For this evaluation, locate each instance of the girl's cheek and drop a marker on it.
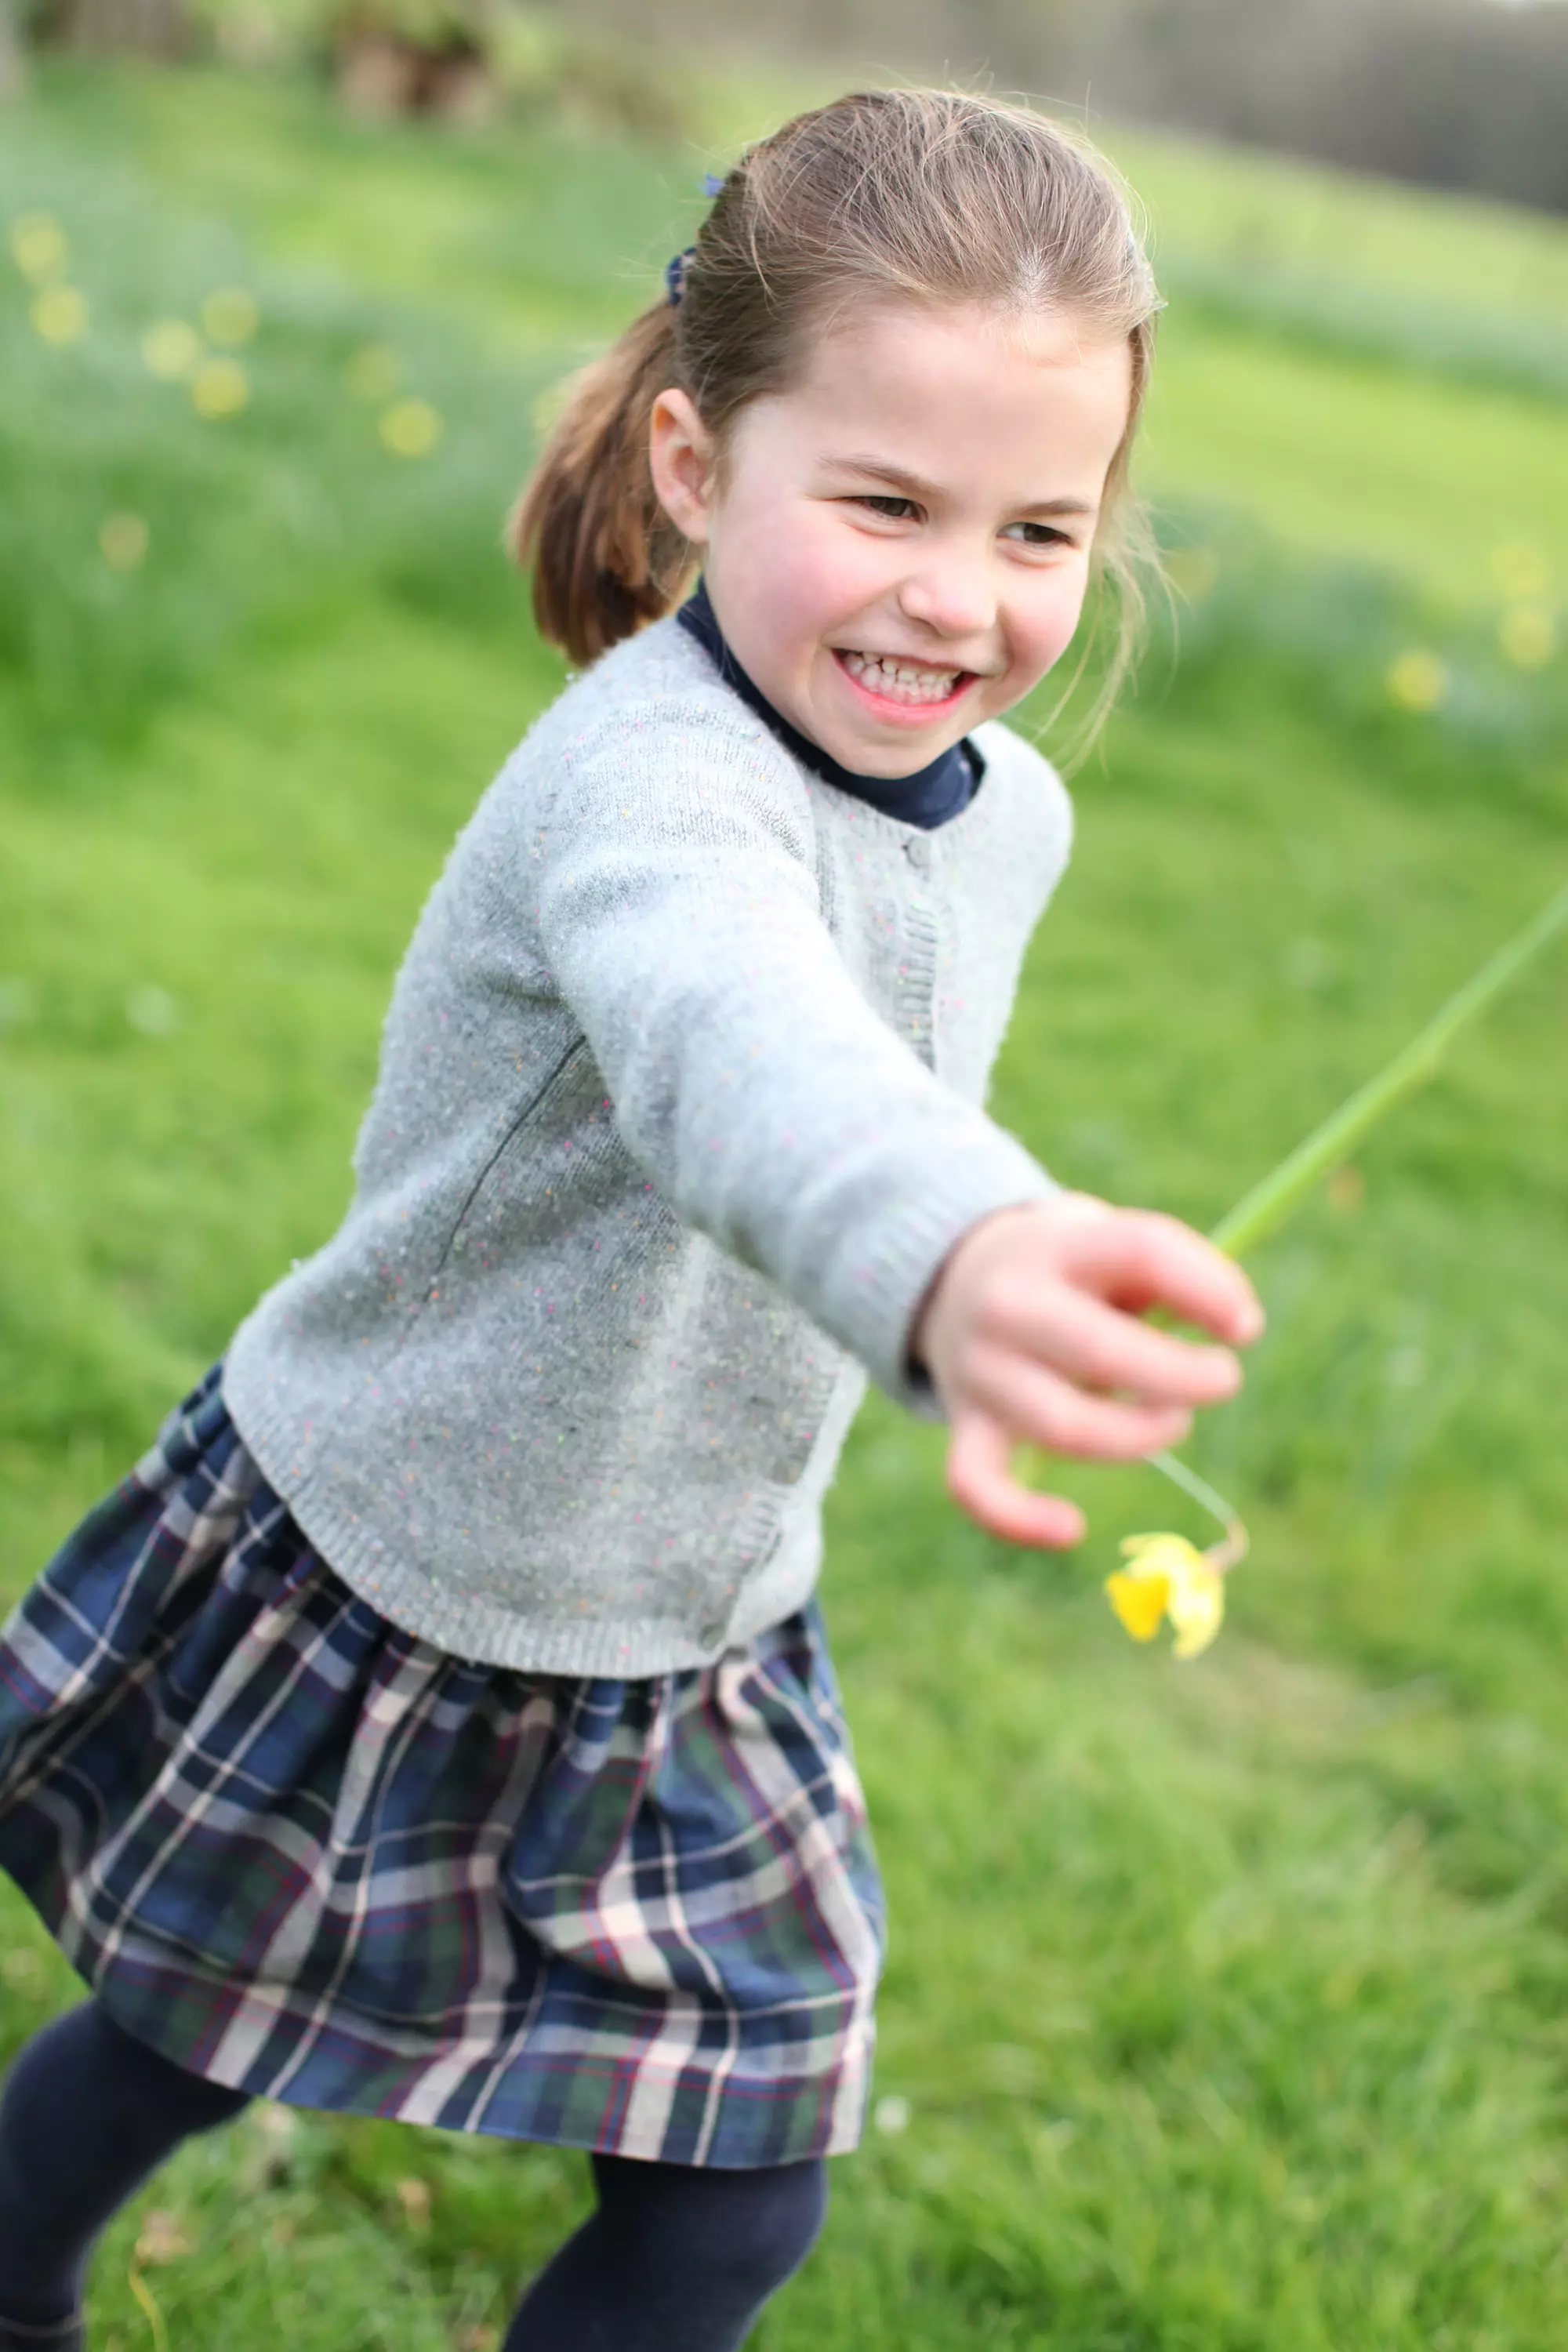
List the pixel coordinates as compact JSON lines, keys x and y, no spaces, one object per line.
{"x":770,"y":592}
{"x":825,"y":577}
{"x":1057,"y":622}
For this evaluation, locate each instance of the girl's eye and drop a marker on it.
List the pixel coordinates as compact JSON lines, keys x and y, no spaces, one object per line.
{"x":896,"y":510}
{"x":1040,"y":534}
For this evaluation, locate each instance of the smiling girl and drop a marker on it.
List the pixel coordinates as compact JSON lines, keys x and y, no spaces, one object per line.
{"x":437,"y":1723}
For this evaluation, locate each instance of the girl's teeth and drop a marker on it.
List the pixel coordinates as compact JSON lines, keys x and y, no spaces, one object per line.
{"x":900,"y":681}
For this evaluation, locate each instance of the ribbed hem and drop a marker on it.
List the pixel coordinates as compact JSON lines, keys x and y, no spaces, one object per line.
{"x":486,"y":1633}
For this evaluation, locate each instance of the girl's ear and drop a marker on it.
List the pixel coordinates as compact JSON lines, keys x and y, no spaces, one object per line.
{"x":681,"y":458}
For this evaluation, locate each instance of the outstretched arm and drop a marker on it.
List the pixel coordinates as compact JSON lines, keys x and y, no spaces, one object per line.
{"x":1032,"y":1332}
{"x":678,"y":909}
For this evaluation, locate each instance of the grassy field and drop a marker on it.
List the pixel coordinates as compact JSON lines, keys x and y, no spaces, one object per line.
{"x":1224,"y":2010}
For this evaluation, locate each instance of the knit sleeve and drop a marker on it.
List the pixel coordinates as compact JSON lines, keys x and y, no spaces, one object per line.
{"x":678,"y":911}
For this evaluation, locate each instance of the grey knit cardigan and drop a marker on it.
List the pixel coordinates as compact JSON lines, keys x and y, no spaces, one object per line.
{"x":678,"y":1115}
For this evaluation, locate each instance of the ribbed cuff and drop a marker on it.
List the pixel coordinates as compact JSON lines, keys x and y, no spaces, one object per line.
{"x":914,"y":1242}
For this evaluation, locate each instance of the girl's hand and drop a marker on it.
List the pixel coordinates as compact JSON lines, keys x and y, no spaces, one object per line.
{"x":1031,"y":1333}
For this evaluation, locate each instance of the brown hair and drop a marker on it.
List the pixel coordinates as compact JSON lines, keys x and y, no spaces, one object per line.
{"x":920,"y":194}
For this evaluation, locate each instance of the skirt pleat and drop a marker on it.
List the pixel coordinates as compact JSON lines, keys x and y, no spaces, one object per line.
{"x":307,"y":1855}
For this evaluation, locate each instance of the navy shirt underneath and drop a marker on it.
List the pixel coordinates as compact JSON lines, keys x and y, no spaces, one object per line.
{"x":928,"y":798}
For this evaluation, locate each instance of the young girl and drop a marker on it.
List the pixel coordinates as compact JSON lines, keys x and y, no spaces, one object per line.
{"x":437,"y":1722}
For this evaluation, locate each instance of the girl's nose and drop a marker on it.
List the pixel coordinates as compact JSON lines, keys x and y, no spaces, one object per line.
{"x":951,"y":598}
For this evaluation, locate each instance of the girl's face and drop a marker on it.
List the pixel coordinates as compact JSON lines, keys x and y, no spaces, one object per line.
{"x":897,"y":547}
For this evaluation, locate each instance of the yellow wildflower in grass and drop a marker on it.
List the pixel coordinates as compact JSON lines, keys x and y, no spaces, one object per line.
{"x":1166,"y":1576}
{"x":410,"y":429}
{"x":374,"y":372}
{"x":122,"y":541}
{"x":60,"y":314}
{"x":1528,"y":636}
{"x":1518,"y":568}
{"x":1417,"y":681}
{"x":230,"y":316}
{"x":38,"y":246}
{"x":171,"y":349}
{"x":220,"y":388}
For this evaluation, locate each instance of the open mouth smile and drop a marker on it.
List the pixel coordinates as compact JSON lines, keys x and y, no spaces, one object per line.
{"x":917,"y":687}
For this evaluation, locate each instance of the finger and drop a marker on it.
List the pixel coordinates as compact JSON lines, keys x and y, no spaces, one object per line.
{"x":1101,"y":1347}
{"x":1035,"y":1402}
{"x":1142,"y":1259}
{"x":981,"y":1482}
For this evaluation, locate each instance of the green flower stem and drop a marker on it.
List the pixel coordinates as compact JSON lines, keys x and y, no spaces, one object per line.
{"x":1234,"y":1548}
{"x":1266,"y":1208}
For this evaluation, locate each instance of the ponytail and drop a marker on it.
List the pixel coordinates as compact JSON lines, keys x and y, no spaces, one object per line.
{"x":606,"y":556}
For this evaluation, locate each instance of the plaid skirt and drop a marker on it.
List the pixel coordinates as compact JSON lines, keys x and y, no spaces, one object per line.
{"x":307,"y":1855}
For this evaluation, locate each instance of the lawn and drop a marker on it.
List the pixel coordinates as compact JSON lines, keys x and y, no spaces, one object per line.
{"x":1224,"y":2008}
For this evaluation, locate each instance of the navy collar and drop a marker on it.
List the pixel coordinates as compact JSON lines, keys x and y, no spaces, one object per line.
{"x":928,"y":798}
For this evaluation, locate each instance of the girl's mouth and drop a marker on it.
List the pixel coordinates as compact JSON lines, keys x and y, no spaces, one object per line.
{"x":903,"y":690}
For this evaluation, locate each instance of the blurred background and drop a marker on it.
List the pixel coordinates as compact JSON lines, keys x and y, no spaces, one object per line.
{"x":1224,"y":2005}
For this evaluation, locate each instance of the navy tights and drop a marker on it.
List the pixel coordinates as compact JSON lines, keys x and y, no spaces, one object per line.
{"x":87,"y":2117}
{"x":675,"y":2258}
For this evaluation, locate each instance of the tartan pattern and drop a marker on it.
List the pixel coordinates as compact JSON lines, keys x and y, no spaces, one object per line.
{"x":307,"y":1855}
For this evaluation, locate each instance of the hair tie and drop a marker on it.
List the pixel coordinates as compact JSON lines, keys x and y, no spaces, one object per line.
{"x":675,"y":268}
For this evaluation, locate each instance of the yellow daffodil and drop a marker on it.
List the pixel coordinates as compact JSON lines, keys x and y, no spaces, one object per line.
{"x":1417,"y":681}
{"x":1166,"y":1576}
{"x":218,"y":388}
{"x":60,"y":315}
{"x":40,"y":247}
{"x":1139,"y":1596}
{"x":171,"y":348}
{"x":230,"y":316}
{"x":410,"y":429}
{"x":1528,"y":636}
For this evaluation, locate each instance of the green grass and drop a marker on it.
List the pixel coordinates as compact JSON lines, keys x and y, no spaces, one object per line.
{"x":1481,"y":288}
{"x":1226,"y":2000}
